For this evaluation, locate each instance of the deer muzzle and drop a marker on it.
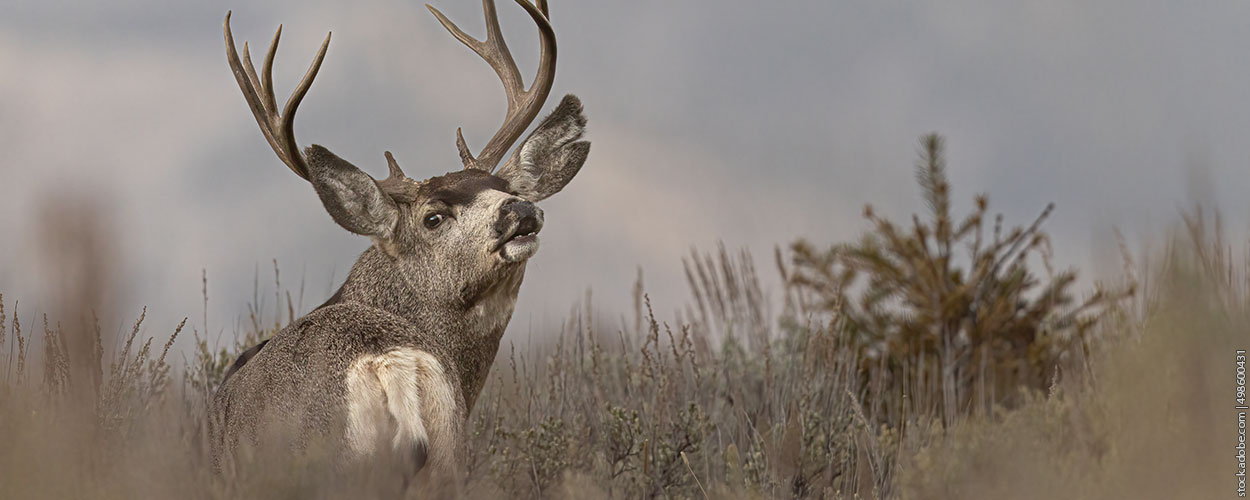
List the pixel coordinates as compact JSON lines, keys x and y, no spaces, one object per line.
{"x":518,"y":226}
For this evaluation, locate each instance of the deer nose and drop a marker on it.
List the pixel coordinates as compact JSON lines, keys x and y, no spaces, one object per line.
{"x":518,"y":216}
{"x":520,"y":209}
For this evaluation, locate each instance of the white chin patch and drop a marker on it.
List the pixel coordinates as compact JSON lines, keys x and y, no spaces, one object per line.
{"x":519,"y":248}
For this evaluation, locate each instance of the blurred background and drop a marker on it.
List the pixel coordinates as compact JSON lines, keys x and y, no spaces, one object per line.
{"x":734,"y":121}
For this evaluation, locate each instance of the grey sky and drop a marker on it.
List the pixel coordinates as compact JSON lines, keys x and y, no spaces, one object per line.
{"x":747,"y":122}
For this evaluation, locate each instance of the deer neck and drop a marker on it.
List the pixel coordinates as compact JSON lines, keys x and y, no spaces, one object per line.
{"x":470,"y":328}
{"x":486,"y":316}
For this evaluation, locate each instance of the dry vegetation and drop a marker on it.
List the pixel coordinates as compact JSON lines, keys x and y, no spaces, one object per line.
{"x":928,"y":361}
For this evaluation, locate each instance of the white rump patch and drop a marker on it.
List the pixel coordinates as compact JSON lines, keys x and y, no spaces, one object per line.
{"x":402,"y":399}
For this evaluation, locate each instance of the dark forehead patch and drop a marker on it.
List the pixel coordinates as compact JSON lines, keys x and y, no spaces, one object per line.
{"x":460,"y":187}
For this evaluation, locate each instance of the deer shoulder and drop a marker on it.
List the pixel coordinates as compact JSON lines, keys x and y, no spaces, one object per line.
{"x":356,"y":374}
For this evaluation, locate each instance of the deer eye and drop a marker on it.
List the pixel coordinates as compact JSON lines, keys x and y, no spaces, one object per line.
{"x":433,"y":220}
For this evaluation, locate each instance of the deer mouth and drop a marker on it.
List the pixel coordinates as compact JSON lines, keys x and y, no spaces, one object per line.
{"x":521,"y":242}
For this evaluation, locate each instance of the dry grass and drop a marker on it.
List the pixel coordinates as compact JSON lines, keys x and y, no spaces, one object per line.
{"x":1154,"y":420}
{"x":731,"y":400}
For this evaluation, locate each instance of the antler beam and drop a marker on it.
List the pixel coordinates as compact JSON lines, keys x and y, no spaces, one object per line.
{"x":279,"y":129}
{"x":523,"y":104}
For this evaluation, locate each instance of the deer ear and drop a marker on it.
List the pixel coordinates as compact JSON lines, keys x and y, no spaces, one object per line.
{"x":551,"y":155}
{"x":351,"y":196}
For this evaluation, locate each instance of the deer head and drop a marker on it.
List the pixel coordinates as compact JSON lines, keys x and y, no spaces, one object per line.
{"x":455,"y":234}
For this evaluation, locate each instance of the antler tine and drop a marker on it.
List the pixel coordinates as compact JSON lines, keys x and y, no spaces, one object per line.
{"x":279,"y":129}
{"x":523,"y":104}
{"x":266,"y":81}
{"x":397,"y":185}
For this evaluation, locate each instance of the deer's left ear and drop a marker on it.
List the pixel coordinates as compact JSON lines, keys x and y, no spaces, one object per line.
{"x":551,"y":155}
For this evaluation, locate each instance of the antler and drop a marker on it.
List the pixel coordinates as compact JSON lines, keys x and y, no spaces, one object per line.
{"x":279,"y":130}
{"x":397,"y":185}
{"x":523,"y":105}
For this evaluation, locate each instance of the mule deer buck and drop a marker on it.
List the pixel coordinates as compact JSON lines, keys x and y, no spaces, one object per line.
{"x":390,"y":366}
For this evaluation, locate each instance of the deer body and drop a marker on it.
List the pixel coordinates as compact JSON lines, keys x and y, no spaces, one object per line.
{"x":389,"y":368}
{"x":328,"y":369}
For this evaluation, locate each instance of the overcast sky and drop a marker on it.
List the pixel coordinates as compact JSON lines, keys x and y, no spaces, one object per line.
{"x":747,"y":122}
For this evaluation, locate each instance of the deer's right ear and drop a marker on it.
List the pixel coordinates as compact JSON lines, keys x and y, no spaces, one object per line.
{"x":351,"y":196}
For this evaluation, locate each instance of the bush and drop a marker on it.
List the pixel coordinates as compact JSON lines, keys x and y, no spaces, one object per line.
{"x":966,"y":329}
